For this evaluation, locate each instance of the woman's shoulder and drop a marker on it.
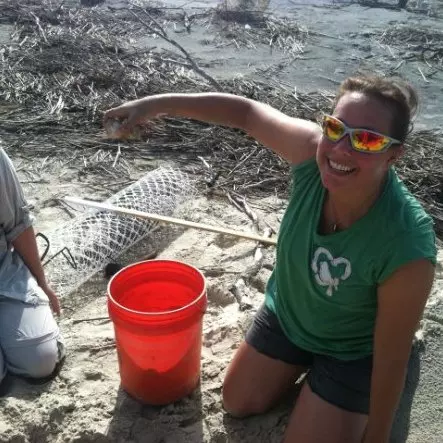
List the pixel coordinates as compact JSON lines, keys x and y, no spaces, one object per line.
{"x":307,"y":167}
{"x":305,"y":176}
{"x":408,"y":211}
{"x":405,"y":232}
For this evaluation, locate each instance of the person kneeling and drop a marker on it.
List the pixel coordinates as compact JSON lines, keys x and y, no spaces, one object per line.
{"x":30,"y":341}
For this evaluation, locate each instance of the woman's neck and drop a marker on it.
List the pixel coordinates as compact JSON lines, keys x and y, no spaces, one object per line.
{"x":346,"y":210}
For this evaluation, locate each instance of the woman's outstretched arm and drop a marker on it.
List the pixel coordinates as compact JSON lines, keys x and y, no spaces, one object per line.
{"x":292,"y":138}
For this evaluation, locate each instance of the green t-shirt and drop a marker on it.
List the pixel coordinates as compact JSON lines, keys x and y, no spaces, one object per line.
{"x":324,"y":287}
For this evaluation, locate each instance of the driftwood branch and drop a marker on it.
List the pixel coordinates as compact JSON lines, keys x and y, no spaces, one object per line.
{"x":240,"y":289}
{"x":91,"y":319}
{"x":159,"y":30}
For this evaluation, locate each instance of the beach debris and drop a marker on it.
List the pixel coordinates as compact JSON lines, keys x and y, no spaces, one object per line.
{"x":240,"y":288}
{"x":89,"y":319}
{"x":415,"y":43}
{"x":154,"y":27}
{"x":416,"y":6}
{"x":282,"y":34}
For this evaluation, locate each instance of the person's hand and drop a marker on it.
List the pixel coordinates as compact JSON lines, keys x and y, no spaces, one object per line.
{"x":120,"y":122}
{"x":53,"y":299}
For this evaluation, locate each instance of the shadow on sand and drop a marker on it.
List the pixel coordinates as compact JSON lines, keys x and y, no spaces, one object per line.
{"x":133,"y":421}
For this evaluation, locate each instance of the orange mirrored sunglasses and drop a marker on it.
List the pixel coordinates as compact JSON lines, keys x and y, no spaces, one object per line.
{"x":362,"y":140}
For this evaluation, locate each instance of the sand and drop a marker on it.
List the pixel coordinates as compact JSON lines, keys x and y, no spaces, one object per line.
{"x":85,"y":402}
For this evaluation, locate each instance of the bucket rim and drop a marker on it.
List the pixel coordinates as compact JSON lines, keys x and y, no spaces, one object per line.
{"x":161,"y":313}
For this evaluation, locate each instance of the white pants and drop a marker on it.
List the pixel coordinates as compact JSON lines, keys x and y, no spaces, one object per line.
{"x":30,"y":340}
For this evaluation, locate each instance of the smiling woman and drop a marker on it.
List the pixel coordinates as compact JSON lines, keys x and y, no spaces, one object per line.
{"x":376,"y":115}
{"x":354,"y":266}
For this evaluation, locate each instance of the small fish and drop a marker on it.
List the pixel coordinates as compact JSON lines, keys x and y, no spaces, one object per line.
{"x":112,"y":127}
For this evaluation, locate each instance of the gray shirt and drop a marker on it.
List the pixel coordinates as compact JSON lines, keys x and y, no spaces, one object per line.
{"x":16,"y":281}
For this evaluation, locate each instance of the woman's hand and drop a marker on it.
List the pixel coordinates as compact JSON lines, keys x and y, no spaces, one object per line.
{"x":53,"y":299}
{"x":120,"y":122}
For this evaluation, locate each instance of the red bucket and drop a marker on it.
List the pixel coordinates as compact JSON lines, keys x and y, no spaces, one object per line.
{"x":157,"y":308}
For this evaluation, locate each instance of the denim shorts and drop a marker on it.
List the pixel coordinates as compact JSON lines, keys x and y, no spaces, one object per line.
{"x":345,"y":384}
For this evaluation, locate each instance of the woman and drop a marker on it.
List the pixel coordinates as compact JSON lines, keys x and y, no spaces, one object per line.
{"x":354,"y":267}
{"x":30,"y":341}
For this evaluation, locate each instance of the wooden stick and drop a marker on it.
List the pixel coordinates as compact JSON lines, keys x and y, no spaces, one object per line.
{"x":80,"y":320}
{"x":423,"y":76}
{"x":166,"y":219}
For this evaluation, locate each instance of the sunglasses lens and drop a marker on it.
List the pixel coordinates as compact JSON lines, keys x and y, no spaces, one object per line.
{"x":368,"y":141}
{"x":333,"y":129}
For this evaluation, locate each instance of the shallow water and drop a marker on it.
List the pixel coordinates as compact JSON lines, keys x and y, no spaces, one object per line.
{"x":342,"y":40}
{"x":5,"y":32}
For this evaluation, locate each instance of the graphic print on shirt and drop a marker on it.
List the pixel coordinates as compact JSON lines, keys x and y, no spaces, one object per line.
{"x":330,"y":270}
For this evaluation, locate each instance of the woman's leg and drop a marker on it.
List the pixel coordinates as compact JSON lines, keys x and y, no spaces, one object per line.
{"x":30,"y":338}
{"x":314,"y":420}
{"x":255,"y":382}
{"x":263,"y":368}
{"x":34,"y":359}
{"x":333,"y":404}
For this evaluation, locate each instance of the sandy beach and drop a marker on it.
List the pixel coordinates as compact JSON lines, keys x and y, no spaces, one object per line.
{"x":85,"y":402}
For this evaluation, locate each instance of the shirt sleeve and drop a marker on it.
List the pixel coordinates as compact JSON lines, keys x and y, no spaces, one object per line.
{"x":14,"y":210}
{"x":410,"y":246}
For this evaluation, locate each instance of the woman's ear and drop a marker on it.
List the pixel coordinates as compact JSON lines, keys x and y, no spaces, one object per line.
{"x":396,"y":153}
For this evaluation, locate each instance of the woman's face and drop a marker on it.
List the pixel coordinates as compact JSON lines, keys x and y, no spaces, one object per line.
{"x":344,"y":170}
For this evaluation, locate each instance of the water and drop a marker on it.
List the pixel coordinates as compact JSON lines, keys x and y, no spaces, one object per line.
{"x":342,"y":41}
{"x":5,"y":32}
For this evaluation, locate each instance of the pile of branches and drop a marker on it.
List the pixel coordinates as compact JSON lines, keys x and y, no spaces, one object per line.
{"x":64,"y":67}
{"x":282,"y":34}
{"x":243,"y":11}
{"x":421,"y":169}
{"x":429,"y":8}
{"x":238,"y":28}
{"x":424,"y":44}
{"x":404,"y":34}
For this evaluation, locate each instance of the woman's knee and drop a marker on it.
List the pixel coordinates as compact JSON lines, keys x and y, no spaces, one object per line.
{"x":37,"y":361}
{"x":255,"y":382}
{"x":243,"y":391}
{"x":238,"y":404}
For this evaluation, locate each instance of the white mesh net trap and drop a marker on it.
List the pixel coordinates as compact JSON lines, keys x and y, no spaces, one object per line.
{"x":78,"y":249}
